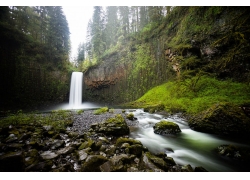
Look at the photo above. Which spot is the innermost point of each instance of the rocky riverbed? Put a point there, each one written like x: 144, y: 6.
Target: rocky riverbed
x: 88, y: 143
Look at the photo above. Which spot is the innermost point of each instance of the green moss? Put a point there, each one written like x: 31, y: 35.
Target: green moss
x: 111, y: 110
x: 131, y: 141
x: 130, y: 116
x: 80, y: 111
x: 196, y: 94
x: 57, y: 119
x: 166, y: 127
x: 117, y: 119
x: 101, y: 110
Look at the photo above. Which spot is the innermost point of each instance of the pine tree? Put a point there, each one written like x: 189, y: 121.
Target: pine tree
x: 111, y: 26
x: 97, y: 31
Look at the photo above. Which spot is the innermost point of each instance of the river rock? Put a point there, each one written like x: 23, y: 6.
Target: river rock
x: 82, y: 155
x: 200, y: 169
x: 187, y: 168
x: 104, y: 139
x: 48, y: 155
x: 86, y: 144
x: 44, y: 166
x: 147, y: 165
x: 93, y: 163
x: 12, y: 162
x: 136, y: 149
x: 222, y: 119
x: 11, y: 138
x: 66, y: 150
x: 31, y: 157
x: 116, y: 164
x: 166, y: 127
x: 57, y: 144
x: 115, y: 126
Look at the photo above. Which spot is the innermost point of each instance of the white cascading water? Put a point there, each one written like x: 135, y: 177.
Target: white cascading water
x: 75, y: 98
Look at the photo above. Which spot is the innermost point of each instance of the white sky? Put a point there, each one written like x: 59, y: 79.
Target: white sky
x: 78, y: 18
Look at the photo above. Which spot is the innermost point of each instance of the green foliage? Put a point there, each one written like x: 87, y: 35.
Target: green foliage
x: 87, y: 64
x: 111, y: 110
x: 101, y: 110
x: 80, y: 111
x: 195, y: 94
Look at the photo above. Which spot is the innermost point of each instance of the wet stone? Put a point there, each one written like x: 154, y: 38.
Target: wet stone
x: 82, y: 155
x: 48, y: 155
x: 66, y: 150
x: 57, y: 144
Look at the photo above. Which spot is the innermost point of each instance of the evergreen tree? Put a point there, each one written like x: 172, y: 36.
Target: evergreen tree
x: 58, y: 34
x: 81, y: 52
x: 97, y: 31
x: 124, y: 18
x: 111, y: 27
x: 88, y: 45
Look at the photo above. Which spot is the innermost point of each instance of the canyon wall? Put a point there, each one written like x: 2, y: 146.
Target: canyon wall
x: 189, y: 41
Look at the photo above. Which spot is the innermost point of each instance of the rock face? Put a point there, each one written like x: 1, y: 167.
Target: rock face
x: 123, y: 76
x: 116, y: 126
x: 222, y: 119
x: 166, y: 127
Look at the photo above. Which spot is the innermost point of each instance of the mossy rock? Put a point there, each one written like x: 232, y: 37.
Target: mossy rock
x: 93, y: 163
x: 115, y: 126
x: 89, y: 143
x: 222, y: 119
x: 130, y: 141
x: 166, y: 127
x: 101, y: 110
x: 152, y: 163
x: 130, y: 116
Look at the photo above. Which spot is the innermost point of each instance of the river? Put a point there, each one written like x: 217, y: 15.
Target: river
x: 188, y: 147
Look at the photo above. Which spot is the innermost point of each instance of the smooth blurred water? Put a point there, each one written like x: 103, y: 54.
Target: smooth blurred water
x: 188, y: 147
x: 67, y: 106
x: 75, y: 97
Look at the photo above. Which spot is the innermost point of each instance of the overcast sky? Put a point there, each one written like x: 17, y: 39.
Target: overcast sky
x: 78, y: 18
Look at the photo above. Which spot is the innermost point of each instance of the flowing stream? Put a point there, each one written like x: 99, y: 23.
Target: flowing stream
x: 188, y: 147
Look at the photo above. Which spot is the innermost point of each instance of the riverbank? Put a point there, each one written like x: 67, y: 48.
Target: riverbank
x: 80, y: 146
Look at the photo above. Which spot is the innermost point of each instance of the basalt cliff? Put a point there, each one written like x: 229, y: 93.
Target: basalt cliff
x: 190, y: 40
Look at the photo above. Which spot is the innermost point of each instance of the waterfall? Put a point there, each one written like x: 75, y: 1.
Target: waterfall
x: 75, y: 98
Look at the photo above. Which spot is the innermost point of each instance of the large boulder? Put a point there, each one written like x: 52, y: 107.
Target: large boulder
x: 166, y: 127
x: 116, y: 164
x: 150, y: 162
x: 93, y: 163
x: 222, y: 119
x: 115, y: 126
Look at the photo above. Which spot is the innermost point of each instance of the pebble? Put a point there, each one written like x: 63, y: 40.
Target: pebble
x: 83, y: 121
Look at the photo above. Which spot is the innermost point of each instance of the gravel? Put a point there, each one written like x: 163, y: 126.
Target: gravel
x: 83, y: 121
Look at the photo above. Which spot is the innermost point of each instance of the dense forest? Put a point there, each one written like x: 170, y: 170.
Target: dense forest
x: 128, y: 50
x: 34, y: 48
